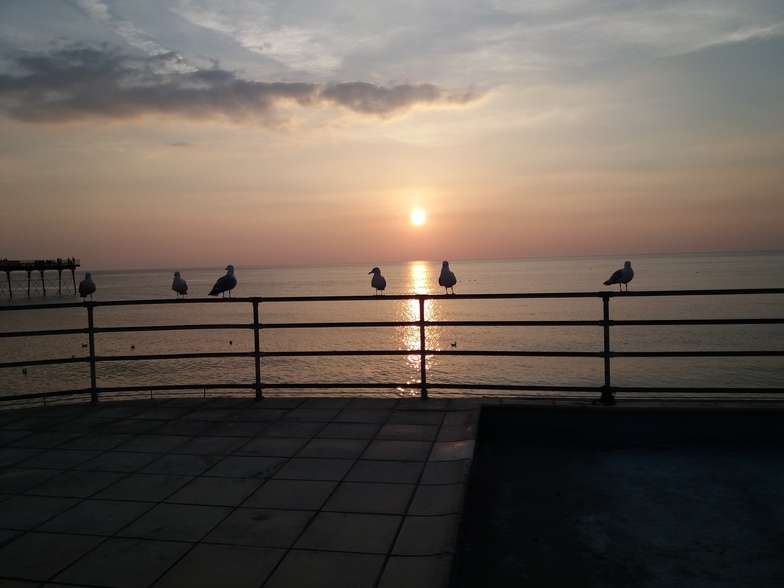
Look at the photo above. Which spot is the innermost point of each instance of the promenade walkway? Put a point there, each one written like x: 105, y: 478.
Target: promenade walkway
x: 230, y: 492
x: 369, y: 492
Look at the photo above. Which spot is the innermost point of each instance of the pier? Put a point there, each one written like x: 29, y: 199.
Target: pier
x: 36, y: 274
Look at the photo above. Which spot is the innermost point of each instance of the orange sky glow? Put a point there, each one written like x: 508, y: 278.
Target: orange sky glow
x: 536, y: 131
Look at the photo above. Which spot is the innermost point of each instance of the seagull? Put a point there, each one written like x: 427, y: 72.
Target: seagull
x: 225, y: 283
x: 377, y: 281
x: 87, y: 286
x: 179, y: 285
x: 447, y: 278
x: 622, y: 276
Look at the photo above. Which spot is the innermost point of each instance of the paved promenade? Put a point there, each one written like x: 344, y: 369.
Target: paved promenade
x: 369, y: 492
x: 229, y: 492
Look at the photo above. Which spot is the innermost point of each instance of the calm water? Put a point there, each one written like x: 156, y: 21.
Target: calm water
x: 579, y: 274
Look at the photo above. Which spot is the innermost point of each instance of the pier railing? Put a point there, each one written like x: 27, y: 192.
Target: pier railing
x: 605, y: 389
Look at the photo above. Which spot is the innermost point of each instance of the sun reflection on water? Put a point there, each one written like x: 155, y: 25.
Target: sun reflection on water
x: 419, y: 278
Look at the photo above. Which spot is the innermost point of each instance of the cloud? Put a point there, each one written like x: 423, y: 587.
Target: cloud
x: 82, y: 82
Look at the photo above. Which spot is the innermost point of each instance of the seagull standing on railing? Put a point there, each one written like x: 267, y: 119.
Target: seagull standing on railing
x: 377, y: 281
x: 87, y: 286
x: 225, y: 283
x: 621, y: 276
x: 447, y: 278
x: 179, y: 285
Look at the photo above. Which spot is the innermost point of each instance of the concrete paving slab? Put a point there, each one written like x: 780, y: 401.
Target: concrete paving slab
x: 75, y: 483
x: 392, y: 472
x: 261, y: 527
x: 61, y: 551
x: 25, y: 513
x: 314, y: 468
x: 124, y: 563
x: 186, y: 465
x: 316, y: 569
x: 216, y: 491
x: 226, y: 566
x: 176, y: 522
x: 334, y: 448
x: 292, y: 494
x: 417, y: 572
x: 19, y: 479
x: 370, y: 497
x: 428, y: 535
x: 350, y: 532
x: 118, y: 461
x: 96, y: 517
x: 431, y: 500
x: 238, y: 466
x: 144, y: 487
x: 398, y: 450
x: 272, y: 446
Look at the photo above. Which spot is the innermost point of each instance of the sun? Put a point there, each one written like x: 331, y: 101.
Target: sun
x: 418, y: 217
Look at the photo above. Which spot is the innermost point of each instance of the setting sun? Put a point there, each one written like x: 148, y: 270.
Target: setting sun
x: 418, y: 217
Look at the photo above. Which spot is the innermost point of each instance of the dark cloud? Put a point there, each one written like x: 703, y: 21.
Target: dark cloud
x: 83, y: 82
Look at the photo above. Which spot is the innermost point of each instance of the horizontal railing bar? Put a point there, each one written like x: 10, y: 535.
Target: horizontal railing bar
x: 153, y: 328
x: 374, y: 324
x: 500, y: 296
x: 337, y: 325
x: 44, y: 333
x: 35, y: 362
x: 697, y: 322
x: 767, y: 353
x: 489, y: 353
x: 395, y: 352
x: 39, y: 395
x: 164, y: 356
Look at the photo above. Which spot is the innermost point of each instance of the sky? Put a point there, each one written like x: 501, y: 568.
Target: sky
x: 198, y: 133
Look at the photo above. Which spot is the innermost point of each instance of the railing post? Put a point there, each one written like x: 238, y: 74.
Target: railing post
x: 607, y: 396
x: 422, y: 349
x: 257, y: 348
x: 91, y: 338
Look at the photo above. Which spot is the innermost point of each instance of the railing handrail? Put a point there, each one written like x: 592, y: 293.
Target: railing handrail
x: 605, y: 323
x: 494, y: 296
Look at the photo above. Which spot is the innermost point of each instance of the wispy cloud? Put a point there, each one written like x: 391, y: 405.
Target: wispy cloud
x: 292, y: 43
x: 99, y: 12
x: 81, y: 82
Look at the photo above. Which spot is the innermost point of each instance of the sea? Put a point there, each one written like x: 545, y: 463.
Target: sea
x: 652, y: 273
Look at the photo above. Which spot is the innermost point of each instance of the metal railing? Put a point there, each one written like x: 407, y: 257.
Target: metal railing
x: 606, y: 354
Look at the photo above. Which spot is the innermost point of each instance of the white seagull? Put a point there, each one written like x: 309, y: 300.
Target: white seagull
x: 87, y: 286
x: 377, y: 281
x: 179, y: 285
x: 225, y: 283
x: 447, y: 278
x: 622, y: 276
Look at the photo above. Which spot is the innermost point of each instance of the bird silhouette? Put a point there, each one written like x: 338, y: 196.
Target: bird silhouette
x: 225, y: 283
x: 377, y: 281
x: 87, y: 286
x: 447, y: 278
x: 179, y: 285
x: 621, y: 276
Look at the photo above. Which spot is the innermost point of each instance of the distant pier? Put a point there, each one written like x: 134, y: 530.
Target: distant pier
x: 36, y: 280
